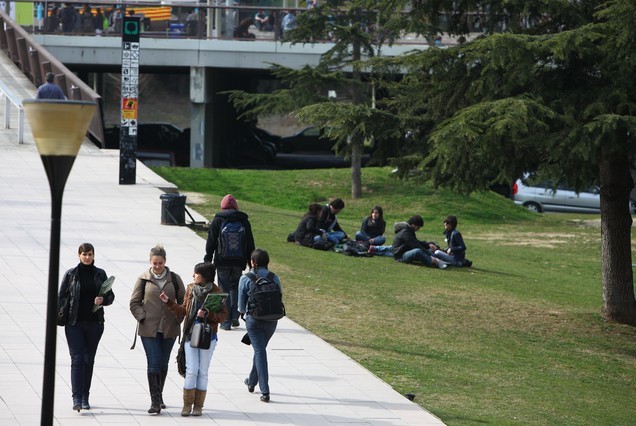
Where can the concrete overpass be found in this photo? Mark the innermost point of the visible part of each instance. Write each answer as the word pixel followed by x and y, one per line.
pixel 191 52
pixel 212 65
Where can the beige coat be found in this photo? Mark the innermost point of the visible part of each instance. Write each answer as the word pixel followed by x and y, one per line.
pixel 149 310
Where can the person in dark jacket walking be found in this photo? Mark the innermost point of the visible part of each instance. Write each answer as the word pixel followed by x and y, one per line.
pixel 85 325
pixel 407 248
pixel 50 90
pixel 229 245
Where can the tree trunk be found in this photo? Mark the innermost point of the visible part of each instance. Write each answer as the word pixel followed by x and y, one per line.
pixel 619 304
pixel 356 170
pixel 356 144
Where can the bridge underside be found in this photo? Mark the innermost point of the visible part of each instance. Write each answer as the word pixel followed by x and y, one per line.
pixel 215 130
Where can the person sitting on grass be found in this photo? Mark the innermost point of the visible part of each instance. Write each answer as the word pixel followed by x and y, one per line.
pixel 408 249
pixel 307 230
pixel 372 228
pixel 455 254
pixel 372 232
pixel 329 222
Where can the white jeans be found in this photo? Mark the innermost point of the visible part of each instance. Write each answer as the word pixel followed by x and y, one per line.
pixel 449 258
pixel 197 366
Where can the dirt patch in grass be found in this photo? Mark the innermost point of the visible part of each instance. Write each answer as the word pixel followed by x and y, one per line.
pixel 540 240
pixel 196 198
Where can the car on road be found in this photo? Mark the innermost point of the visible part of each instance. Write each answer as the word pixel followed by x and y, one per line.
pixel 267 136
pixel 309 139
pixel 541 197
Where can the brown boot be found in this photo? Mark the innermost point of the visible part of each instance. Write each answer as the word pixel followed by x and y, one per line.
pixel 199 398
pixel 188 400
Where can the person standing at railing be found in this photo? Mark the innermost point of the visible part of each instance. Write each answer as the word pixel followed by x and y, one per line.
pixel 98 22
pixel 192 22
pixel 87 19
pixel 68 17
pixel 289 21
pixel 40 15
pixel 52 24
pixel 50 90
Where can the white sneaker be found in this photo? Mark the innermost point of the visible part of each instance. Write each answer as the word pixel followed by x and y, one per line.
pixel 441 264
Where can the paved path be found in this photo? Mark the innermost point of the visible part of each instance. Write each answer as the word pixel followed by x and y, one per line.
pixel 312 383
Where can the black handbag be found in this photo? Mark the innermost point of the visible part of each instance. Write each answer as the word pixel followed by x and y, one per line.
pixel 63 307
pixel 181 361
pixel 200 335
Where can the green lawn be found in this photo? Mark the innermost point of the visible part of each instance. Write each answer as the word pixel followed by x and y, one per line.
pixel 517 339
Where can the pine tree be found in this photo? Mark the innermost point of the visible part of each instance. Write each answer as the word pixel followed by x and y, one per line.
pixel 560 103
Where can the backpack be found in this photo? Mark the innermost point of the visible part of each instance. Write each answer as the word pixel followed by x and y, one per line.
pixel 232 241
pixel 323 245
pixel 266 299
pixel 356 249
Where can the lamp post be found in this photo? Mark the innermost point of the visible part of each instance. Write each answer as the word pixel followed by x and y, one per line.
pixel 58 127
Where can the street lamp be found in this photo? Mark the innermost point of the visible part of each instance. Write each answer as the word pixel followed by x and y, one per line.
pixel 58 127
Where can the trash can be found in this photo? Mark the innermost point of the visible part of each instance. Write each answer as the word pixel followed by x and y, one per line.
pixel 172 209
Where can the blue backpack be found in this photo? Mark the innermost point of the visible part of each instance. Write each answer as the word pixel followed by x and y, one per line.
pixel 232 243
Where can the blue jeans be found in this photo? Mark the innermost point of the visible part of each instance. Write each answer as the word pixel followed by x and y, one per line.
pixel 260 332
pixel 335 237
pixel 376 241
pixel 228 281
pixel 383 251
pixel 82 339
pixel 417 255
pixel 157 352
pixel 197 366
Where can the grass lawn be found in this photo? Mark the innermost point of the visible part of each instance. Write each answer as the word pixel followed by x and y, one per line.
pixel 516 339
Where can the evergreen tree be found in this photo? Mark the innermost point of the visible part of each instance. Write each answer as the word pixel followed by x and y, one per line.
pixel 358 29
pixel 561 104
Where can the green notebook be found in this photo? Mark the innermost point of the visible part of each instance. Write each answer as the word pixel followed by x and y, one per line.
pixel 105 288
pixel 214 301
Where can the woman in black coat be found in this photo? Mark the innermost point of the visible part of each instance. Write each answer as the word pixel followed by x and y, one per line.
pixel 308 229
pixel 84 320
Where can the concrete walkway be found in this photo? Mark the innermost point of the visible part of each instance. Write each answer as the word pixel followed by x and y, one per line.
pixel 312 383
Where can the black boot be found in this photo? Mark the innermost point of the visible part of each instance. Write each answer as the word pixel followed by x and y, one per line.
pixel 77 403
pixel 154 385
pixel 85 404
pixel 164 374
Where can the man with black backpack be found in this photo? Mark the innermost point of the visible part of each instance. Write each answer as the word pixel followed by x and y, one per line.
pixel 229 246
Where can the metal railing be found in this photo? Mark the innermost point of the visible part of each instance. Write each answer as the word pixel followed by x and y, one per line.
pixel 10 98
pixel 213 20
pixel 35 62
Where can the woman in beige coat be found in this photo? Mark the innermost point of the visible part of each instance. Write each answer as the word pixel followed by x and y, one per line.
pixel 158 325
